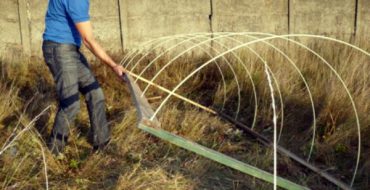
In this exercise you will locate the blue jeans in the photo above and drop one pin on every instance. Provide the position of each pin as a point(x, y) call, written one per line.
point(72, 75)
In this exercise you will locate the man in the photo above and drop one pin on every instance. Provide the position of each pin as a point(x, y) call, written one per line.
point(67, 24)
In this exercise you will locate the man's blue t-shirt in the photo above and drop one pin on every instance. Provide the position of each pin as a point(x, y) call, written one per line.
point(61, 17)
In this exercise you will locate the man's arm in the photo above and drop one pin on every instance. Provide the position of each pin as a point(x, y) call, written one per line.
point(86, 32)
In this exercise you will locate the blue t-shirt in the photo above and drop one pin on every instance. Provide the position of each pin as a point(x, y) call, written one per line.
point(61, 17)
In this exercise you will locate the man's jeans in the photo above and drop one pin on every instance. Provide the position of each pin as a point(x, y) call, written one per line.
point(72, 75)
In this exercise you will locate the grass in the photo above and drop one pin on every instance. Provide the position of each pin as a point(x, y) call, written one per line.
point(135, 160)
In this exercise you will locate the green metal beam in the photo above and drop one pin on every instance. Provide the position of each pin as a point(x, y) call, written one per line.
point(219, 157)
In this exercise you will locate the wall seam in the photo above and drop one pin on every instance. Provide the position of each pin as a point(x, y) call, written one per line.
point(124, 23)
point(210, 16)
point(25, 25)
point(19, 21)
point(120, 23)
point(289, 6)
point(356, 17)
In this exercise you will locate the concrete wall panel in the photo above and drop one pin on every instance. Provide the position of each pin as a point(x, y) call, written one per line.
point(106, 23)
point(250, 16)
point(149, 19)
point(37, 10)
point(326, 17)
point(9, 24)
point(364, 18)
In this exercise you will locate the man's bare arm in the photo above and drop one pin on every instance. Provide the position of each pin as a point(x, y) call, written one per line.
point(86, 32)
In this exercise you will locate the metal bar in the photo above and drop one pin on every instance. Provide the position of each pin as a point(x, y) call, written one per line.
point(220, 158)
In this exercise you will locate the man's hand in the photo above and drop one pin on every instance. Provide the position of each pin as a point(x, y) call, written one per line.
point(119, 70)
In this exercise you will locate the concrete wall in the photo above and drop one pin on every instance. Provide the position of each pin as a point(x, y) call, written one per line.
point(363, 21)
point(120, 24)
point(9, 25)
point(325, 17)
point(148, 19)
point(37, 10)
point(106, 23)
point(269, 16)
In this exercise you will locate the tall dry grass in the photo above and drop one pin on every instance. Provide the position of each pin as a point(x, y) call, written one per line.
point(135, 160)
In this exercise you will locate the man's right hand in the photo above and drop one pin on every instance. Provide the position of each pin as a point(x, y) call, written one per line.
point(119, 70)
